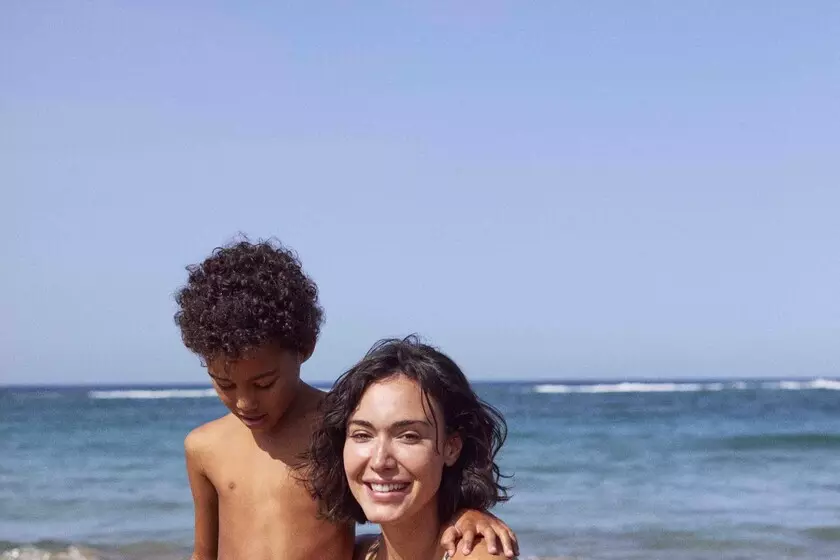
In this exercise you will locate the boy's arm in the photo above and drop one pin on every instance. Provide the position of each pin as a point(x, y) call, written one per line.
point(468, 524)
point(206, 503)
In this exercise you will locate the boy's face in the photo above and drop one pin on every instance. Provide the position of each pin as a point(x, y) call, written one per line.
point(259, 386)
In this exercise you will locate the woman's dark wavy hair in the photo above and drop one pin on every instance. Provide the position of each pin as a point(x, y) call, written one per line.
point(471, 483)
point(246, 294)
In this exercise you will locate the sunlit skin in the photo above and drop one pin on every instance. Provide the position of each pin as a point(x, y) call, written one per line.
point(248, 502)
point(394, 455)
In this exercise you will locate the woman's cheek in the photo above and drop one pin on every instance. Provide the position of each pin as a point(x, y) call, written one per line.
point(415, 457)
point(353, 457)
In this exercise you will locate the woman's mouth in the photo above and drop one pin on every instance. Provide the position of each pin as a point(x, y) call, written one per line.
point(387, 492)
point(389, 487)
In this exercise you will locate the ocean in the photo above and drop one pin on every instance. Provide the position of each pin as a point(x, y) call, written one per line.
point(740, 470)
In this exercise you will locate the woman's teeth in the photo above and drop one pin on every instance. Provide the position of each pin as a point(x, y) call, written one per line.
point(388, 487)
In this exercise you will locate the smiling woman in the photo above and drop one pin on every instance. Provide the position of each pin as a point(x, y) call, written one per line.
point(405, 443)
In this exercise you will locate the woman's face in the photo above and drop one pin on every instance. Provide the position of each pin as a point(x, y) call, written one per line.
point(394, 453)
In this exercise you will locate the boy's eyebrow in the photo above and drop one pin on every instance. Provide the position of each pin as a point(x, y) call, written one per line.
point(400, 424)
point(260, 376)
point(264, 374)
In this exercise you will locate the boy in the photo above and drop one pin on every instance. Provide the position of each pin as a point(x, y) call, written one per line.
point(253, 317)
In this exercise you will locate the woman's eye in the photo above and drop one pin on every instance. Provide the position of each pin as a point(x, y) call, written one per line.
point(225, 386)
point(359, 436)
point(411, 438)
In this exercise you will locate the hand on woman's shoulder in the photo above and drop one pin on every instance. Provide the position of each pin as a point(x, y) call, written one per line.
point(479, 552)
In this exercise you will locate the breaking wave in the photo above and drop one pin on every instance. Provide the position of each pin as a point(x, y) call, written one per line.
point(153, 394)
point(658, 387)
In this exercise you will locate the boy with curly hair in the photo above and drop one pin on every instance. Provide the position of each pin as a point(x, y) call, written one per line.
point(252, 316)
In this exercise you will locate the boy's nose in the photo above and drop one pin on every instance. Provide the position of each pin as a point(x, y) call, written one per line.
point(246, 404)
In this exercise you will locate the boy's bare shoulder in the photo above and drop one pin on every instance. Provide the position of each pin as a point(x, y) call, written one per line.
point(203, 439)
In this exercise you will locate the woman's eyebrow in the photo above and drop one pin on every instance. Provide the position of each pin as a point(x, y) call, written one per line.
point(406, 423)
point(397, 425)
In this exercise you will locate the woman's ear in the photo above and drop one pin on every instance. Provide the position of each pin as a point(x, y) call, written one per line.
point(453, 449)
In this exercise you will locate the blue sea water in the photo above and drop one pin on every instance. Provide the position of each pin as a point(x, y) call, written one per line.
point(679, 471)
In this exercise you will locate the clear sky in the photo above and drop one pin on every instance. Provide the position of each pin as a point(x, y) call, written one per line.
point(544, 189)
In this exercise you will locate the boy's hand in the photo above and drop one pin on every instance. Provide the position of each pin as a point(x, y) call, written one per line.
point(470, 523)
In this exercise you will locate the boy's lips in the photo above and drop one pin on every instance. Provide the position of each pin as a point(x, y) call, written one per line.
point(252, 420)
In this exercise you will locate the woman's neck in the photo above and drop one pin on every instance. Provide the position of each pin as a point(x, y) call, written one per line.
point(415, 538)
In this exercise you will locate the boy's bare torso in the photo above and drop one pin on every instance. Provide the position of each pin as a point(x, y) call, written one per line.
point(263, 510)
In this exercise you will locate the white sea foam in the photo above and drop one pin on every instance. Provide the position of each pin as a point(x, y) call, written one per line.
point(826, 384)
point(153, 394)
point(649, 387)
point(830, 384)
point(33, 553)
point(625, 387)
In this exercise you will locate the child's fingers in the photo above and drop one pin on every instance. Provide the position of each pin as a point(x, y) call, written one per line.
point(509, 544)
point(491, 538)
point(505, 536)
point(449, 539)
point(467, 540)
point(514, 542)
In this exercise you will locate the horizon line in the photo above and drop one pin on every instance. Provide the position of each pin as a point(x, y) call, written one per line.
point(573, 381)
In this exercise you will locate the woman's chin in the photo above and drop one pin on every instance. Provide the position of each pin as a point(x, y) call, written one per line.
point(380, 514)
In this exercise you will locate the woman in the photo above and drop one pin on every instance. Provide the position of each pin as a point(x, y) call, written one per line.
point(406, 443)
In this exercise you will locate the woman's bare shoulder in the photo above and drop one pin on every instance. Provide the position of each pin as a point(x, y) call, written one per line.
point(479, 552)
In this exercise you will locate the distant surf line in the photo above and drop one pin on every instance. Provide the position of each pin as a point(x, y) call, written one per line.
point(548, 388)
point(153, 394)
point(659, 387)
point(146, 394)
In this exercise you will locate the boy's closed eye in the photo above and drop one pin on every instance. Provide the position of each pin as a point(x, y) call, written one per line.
point(265, 384)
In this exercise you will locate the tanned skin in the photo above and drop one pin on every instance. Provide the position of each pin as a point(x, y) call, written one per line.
point(249, 503)
point(249, 500)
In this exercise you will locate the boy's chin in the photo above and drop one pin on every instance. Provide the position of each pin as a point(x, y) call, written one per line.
point(260, 424)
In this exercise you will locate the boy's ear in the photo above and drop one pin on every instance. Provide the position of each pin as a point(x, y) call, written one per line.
point(306, 353)
point(452, 450)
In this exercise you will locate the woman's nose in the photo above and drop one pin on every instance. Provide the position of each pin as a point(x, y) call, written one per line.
point(382, 458)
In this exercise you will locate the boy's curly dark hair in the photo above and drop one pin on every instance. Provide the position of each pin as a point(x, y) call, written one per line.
point(246, 294)
point(471, 483)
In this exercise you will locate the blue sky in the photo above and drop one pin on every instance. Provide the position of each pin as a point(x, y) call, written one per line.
point(544, 189)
